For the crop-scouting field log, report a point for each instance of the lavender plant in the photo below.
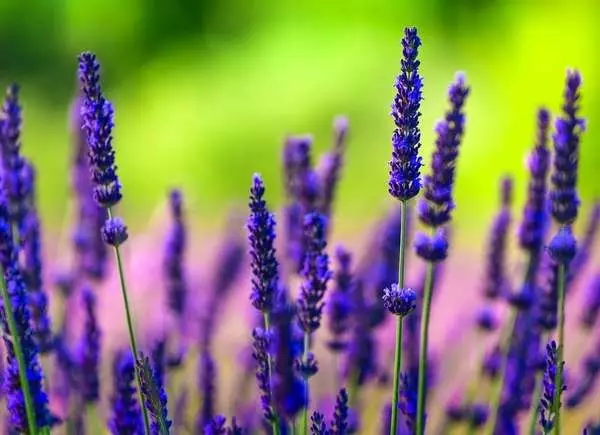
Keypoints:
(520, 376)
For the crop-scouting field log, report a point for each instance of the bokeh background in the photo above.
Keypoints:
(205, 91)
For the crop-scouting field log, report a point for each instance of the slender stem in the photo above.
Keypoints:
(423, 344)
(398, 350)
(353, 388)
(306, 386)
(16, 342)
(562, 274)
(499, 381)
(130, 328)
(275, 422)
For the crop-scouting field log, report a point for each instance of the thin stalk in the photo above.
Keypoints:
(16, 341)
(274, 423)
(353, 388)
(130, 328)
(562, 274)
(423, 344)
(399, 319)
(306, 387)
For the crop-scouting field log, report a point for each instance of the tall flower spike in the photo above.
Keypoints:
(260, 353)
(315, 273)
(339, 424)
(89, 357)
(13, 164)
(125, 416)
(496, 281)
(564, 200)
(330, 165)
(405, 165)
(339, 304)
(37, 297)
(207, 373)
(87, 238)
(155, 397)
(216, 426)
(97, 117)
(173, 266)
(16, 291)
(436, 205)
(550, 402)
(534, 220)
(261, 235)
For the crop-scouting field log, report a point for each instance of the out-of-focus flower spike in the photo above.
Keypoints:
(174, 259)
(125, 415)
(207, 374)
(339, 304)
(586, 244)
(591, 307)
(260, 353)
(216, 426)
(330, 165)
(89, 352)
(535, 216)
(339, 423)
(318, 425)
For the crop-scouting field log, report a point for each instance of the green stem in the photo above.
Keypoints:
(562, 275)
(398, 350)
(274, 423)
(130, 328)
(16, 342)
(306, 386)
(423, 344)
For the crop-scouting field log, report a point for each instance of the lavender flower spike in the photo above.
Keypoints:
(339, 305)
(436, 206)
(318, 425)
(261, 235)
(97, 117)
(125, 417)
(89, 358)
(534, 221)
(155, 397)
(27, 402)
(260, 353)
(37, 296)
(339, 424)
(563, 196)
(173, 266)
(405, 165)
(550, 402)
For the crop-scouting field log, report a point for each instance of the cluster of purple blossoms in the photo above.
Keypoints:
(520, 374)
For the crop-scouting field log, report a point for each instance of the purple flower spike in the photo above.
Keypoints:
(496, 282)
(114, 232)
(14, 178)
(16, 289)
(89, 357)
(175, 248)
(260, 353)
(207, 376)
(405, 165)
(339, 304)
(435, 208)
(216, 426)
(564, 200)
(87, 237)
(261, 235)
(126, 416)
(38, 298)
(548, 406)
(330, 165)
(534, 221)
(315, 273)
(399, 301)
(339, 424)
(318, 425)
(154, 396)
(97, 117)
(432, 248)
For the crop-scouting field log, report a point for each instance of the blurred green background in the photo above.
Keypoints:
(205, 91)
